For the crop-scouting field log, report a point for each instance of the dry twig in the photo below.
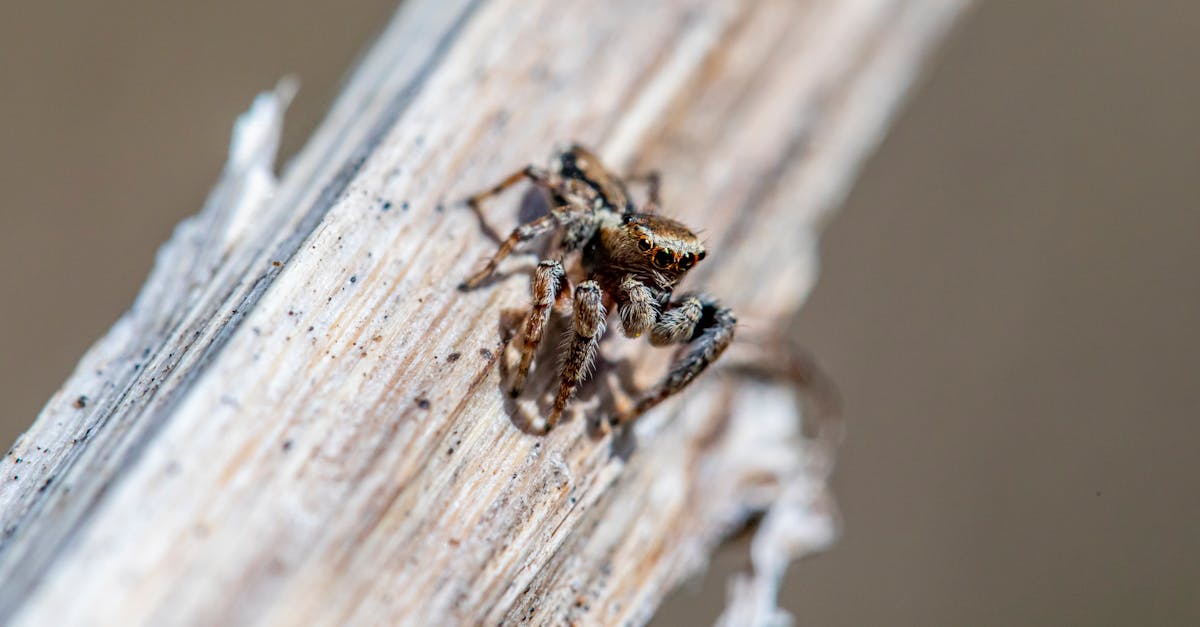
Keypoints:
(300, 421)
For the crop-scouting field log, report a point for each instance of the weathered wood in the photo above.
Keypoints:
(301, 421)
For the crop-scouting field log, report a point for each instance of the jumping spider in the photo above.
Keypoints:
(632, 258)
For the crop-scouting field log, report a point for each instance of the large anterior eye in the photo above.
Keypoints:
(663, 258)
(643, 244)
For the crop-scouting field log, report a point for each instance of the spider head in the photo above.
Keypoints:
(654, 242)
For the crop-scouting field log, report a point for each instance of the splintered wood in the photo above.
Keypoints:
(301, 422)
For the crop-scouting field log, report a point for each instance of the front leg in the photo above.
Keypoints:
(590, 318)
(678, 323)
(637, 309)
(706, 326)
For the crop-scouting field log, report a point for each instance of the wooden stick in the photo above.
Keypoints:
(301, 422)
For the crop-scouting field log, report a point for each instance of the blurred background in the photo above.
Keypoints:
(1009, 299)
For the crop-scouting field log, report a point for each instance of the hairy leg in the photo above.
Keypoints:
(636, 308)
(549, 281)
(678, 323)
(707, 335)
(581, 345)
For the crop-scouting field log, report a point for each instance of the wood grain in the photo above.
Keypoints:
(301, 422)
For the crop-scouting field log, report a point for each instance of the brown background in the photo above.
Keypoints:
(1009, 299)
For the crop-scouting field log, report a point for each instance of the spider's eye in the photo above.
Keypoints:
(643, 244)
(686, 261)
(700, 255)
(663, 258)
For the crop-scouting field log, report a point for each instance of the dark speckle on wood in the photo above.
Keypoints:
(81, 402)
(423, 403)
(453, 357)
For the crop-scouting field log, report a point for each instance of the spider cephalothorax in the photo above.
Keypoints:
(658, 250)
(632, 258)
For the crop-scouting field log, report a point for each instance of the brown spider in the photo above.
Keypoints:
(633, 259)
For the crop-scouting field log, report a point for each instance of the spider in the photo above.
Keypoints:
(632, 258)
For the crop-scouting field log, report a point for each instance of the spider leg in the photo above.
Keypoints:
(549, 281)
(590, 318)
(653, 181)
(677, 324)
(706, 327)
(522, 233)
(636, 306)
(567, 215)
(536, 175)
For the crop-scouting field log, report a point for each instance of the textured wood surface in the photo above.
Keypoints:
(301, 421)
